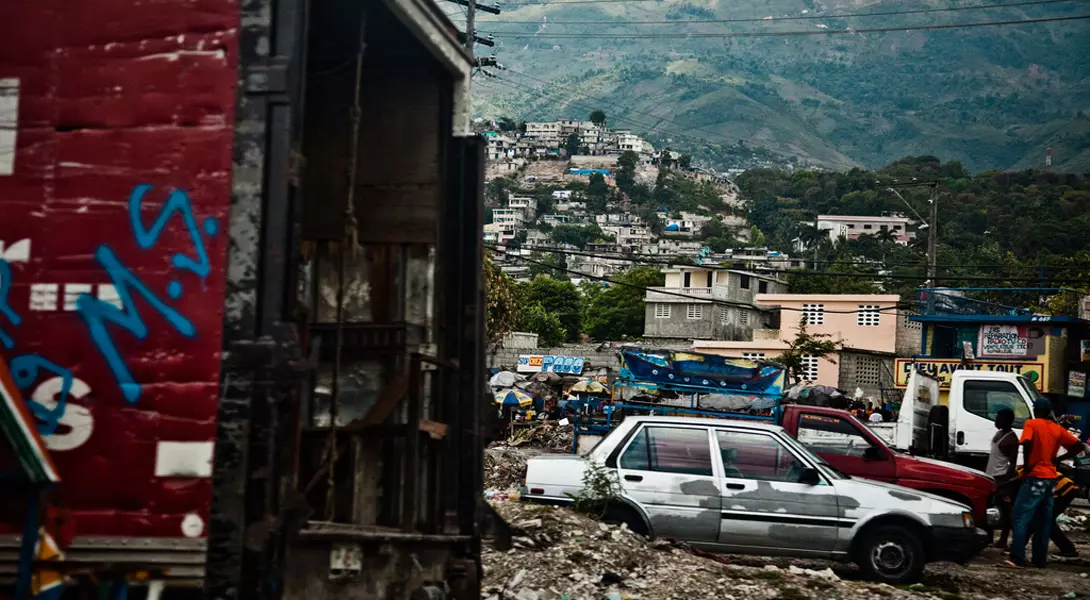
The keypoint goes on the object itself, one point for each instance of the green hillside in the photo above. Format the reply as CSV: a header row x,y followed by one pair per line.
x,y
991,97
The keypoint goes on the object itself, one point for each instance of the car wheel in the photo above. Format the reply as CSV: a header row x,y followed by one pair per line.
x,y
892,554
622,513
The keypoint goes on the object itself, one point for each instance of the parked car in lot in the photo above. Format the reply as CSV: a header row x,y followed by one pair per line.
x,y
744,487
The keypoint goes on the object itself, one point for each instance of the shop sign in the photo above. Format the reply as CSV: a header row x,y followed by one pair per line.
x,y
536,363
1003,340
1076,384
943,369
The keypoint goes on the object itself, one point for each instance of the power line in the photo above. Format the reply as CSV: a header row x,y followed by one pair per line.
x,y
635,258
771,19
801,272
646,289
757,34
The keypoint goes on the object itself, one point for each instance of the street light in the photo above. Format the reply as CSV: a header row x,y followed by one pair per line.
x,y
930,224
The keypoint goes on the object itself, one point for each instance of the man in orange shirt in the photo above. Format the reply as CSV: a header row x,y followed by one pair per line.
x,y
1042,438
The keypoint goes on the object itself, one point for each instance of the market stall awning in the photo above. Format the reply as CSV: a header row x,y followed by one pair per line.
x,y
18,428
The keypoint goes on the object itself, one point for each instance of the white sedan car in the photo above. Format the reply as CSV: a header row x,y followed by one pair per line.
x,y
746,487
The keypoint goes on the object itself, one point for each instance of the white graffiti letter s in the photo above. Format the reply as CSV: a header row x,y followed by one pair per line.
x,y
76,418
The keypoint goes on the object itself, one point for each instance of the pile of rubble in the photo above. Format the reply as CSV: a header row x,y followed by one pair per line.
x,y
505,460
559,554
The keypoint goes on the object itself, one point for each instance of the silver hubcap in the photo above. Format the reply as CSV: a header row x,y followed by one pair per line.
x,y
889,557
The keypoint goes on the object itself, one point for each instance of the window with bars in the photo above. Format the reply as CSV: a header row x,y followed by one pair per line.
x,y
694,311
868,315
753,355
724,316
662,311
743,317
813,314
809,368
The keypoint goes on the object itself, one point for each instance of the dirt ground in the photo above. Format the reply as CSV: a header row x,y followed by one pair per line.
x,y
558,554
561,555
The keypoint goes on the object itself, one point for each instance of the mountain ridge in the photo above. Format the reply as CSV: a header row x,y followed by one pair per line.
x,y
989,97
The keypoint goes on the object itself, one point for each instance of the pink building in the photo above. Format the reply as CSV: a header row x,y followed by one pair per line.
x,y
870,323
863,321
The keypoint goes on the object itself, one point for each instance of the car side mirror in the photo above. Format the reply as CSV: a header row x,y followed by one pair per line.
x,y
809,476
872,453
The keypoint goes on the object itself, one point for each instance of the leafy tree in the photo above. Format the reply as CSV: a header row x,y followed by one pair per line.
x,y
503,302
598,117
806,344
686,161
571,145
498,191
626,171
553,266
576,235
617,313
597,194
547,326
756,238
558,298
507,124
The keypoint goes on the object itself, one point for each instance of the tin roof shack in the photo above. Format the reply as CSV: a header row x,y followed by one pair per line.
x,y
360,278
1035,332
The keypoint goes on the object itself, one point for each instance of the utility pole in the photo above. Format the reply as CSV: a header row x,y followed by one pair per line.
x,y
933,236
471,27
932,224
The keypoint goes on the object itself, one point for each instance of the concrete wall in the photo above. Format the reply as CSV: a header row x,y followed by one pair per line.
x,y
710,326
909,336
870,371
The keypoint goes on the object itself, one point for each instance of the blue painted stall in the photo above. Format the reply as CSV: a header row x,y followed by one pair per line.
x,y
753,386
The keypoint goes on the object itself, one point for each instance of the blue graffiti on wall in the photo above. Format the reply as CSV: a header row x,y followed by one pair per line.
x,y
97,313
26,368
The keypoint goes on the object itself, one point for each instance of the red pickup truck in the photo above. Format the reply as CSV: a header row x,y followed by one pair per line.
x,y
848,445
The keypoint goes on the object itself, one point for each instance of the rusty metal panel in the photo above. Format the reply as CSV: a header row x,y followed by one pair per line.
x,y
114,199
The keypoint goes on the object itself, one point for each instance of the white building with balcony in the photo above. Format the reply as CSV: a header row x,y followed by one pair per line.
x,y
514,218
526,204
497,233
851,227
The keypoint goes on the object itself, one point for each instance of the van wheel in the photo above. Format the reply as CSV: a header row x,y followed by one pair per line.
x,y
892,554
621,513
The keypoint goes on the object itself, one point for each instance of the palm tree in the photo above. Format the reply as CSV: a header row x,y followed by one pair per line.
x,y
886,235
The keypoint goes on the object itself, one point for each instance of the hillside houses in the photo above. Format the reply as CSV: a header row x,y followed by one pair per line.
x,y
545,139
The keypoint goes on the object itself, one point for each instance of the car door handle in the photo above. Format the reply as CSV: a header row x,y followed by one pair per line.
x,y
736,486
633,477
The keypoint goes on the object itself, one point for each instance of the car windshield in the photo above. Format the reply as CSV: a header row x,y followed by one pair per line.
x,y
1030,389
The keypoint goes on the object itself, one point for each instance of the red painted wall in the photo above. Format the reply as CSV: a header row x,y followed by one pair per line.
x,y
122,106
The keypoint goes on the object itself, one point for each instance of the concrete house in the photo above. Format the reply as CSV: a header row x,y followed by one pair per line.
x,y
686,308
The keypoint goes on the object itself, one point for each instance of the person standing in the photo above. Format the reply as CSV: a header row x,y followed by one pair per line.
x,y
1041,440
1001,463
1065,494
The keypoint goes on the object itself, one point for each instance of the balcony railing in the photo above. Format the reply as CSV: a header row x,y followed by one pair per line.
x,y
695,294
